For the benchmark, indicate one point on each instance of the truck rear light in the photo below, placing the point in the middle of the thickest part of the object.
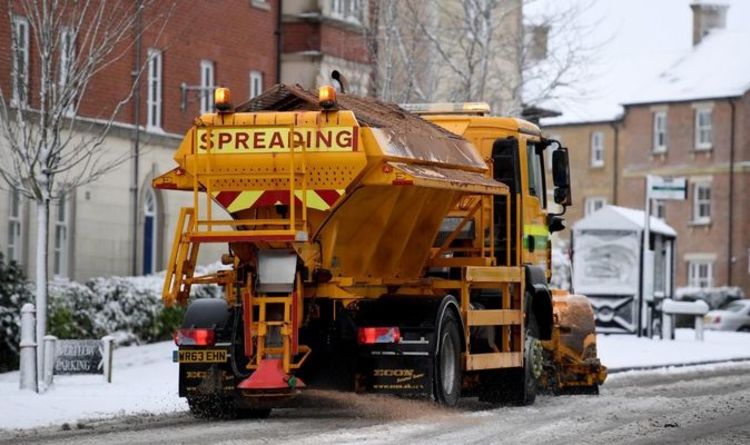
(194, 337)
(371, 336)
(717, 319)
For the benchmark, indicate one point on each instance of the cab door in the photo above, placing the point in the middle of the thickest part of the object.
(535, 239)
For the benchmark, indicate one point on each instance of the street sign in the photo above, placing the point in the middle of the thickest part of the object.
(79, 357)
(667, 188)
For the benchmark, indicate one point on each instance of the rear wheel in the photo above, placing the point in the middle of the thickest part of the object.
(744, 329)
(218, 407)
(447, 382)
(516, 386)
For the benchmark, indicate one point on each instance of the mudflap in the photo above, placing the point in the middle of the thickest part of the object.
(405, 369)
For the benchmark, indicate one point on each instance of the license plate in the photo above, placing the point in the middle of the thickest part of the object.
(202, 356)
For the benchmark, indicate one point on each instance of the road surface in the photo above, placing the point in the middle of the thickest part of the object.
(703, 405)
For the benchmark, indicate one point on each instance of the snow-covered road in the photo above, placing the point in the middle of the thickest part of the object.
(705, 404)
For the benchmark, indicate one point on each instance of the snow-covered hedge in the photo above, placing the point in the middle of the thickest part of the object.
(129, 308)
(560, 267)
(714, 296)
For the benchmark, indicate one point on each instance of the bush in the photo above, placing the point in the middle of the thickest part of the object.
(15, 291)
(128, 308)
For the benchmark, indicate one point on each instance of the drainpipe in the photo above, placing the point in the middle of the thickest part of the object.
(279, 41)
(730, 238)
(136, 137)
(615, 173)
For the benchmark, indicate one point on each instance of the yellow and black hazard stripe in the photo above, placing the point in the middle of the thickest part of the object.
(233, 202)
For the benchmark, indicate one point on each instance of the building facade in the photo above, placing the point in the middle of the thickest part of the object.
(119, 225)
(684, 119)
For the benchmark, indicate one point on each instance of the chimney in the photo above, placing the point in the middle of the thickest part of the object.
(707, 17)
(537, 41)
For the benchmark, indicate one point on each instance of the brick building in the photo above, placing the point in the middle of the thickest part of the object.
(670, 111)
(694, 122)
(320, 36)
(119, 224)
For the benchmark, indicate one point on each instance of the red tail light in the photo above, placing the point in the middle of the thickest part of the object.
(194, 337)
(370, 336)
(717, 319)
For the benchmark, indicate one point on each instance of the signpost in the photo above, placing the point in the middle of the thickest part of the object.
(657, 188)
(84, 357)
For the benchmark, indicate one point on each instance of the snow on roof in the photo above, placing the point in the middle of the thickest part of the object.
(632, 45)
(718, 67)
(621, 218)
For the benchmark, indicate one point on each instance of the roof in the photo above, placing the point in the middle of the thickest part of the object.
(634, 50)
(718, 67)
(621, 218)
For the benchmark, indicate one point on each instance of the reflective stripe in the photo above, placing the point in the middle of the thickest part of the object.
(237, 201)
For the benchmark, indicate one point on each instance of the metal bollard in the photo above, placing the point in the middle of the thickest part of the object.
(699, 327)
(108, 342)
(28, 349)
(50, 341)
(667, 333)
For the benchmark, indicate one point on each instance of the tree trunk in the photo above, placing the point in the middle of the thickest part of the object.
(42, 223)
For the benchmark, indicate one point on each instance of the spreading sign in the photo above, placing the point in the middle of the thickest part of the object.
(79, 357)
(227, 140)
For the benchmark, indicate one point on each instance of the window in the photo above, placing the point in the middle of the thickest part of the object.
(256, 83)
(20, 62)
(67, 58)
(660, 132)
(15, 227)
(154, 90)
(703, 129)
(597, 149)
(149, 232)
(347, 9)
(702, 203)
(660, 209)
(594, 203)
(207, 86)
(700, 273)
(62, 234)
(535, 172)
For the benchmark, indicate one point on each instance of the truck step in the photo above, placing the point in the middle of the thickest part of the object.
(493, 360)
(494, 317)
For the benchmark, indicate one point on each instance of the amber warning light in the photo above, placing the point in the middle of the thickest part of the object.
(327, 97)
(223, 99)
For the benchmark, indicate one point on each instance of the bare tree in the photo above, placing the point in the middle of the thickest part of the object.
(46, 148)
(469, 50)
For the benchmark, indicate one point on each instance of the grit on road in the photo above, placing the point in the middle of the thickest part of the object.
(704, 405)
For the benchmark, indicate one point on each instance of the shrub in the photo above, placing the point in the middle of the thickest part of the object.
(15, 291)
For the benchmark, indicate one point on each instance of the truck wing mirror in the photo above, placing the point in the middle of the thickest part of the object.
(561, 176)
(560, 168)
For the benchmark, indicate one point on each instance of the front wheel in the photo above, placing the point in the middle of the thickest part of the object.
(447, 382)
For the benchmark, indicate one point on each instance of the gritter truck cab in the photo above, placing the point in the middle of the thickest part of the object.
(372, 250)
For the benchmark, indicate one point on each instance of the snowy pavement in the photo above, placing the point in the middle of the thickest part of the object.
(145, 379)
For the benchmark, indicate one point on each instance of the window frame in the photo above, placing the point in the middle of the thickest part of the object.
(352, 11)
(25, 52)
(694, 273)
(15, 250)
(208, 84)
(659, 132)
(701, 203)
(705, 128)
(67, 58)
(591, 201)
(256, 75)
(61, 250)
(154, 98)
(596, 146)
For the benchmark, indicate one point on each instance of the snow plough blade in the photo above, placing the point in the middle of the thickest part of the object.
(571, 363)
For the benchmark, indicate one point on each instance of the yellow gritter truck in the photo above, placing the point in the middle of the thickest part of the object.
(373, 250)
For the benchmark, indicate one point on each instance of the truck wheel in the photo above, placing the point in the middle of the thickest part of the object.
(209, 407)
(258, 413)
(447, 382)
(533, 363)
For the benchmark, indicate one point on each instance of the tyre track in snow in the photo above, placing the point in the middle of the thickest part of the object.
(705, 405)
